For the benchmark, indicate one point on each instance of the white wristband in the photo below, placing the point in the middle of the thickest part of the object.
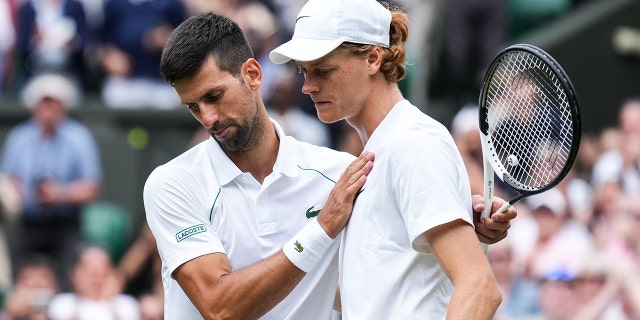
(308, 246)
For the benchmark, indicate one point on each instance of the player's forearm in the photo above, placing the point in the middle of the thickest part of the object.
(259, 288)
(247, 293)
(478, 300)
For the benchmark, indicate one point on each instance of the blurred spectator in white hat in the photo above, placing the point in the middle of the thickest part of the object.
(54, 161)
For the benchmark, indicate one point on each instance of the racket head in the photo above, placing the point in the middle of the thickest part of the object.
(530, 122)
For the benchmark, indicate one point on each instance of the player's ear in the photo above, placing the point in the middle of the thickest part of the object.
(252, 73)
(374, 59)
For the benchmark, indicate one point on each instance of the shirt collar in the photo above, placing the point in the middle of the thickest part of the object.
(226, 171)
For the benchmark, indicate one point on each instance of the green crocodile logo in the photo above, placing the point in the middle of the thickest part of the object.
(298, 247)
(311, 214)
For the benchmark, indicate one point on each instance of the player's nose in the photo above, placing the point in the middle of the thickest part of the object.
(309, 86)
(209, 116)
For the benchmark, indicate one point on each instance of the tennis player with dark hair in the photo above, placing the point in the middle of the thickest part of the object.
(246, 222)
(410, 249)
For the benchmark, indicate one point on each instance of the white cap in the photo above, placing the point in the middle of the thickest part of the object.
(465, 120)
(322, 25)
(52, 86)
(552, 199)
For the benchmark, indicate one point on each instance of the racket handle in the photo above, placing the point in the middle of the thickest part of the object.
(486, 213)
(488, 189)
(504, 207)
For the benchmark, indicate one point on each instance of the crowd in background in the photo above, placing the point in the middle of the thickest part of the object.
(572, 252)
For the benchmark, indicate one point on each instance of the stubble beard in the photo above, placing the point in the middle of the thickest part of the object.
(247, 135)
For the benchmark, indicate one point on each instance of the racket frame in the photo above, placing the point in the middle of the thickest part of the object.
(494, 167)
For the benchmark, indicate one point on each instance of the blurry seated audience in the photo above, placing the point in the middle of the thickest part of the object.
(557, 297)
(617, 232)
(284, 107)
(580, 196)
(7, 43)
(620, 164)
(464, 128)
(97, 291)
(35, 285)
(553, 240)
(601, 288)
(51, 37)
(545, 239)
(54, 161)
(134, 33)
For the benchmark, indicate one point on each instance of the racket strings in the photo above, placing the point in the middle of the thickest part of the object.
(530, 121)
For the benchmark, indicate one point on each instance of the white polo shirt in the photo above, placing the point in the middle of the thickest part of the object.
(418, 182)
(201, 203)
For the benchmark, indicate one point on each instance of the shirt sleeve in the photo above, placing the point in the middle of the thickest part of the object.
(431, 185)
(178, 216)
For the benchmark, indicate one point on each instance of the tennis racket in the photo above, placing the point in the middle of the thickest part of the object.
(530, 124)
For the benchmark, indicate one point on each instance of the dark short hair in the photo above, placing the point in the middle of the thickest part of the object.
(199, 37)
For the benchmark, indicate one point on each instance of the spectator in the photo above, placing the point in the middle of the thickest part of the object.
(546, 240)
(134, 33)
(464, 129)
(7, 42)
(559, 242)
(35, 285)
(54, 161)
(97, 291)
(51, 38)
(620, 164)
(557, 297)
(599, 289)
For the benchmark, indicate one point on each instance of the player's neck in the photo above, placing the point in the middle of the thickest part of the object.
(260, 159)
(375, 110)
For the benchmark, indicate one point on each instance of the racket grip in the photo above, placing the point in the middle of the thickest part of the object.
(488, 189)
(504, 207)
(486, 213)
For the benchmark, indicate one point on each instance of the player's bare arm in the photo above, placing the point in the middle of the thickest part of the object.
(463, 260)
(218, 292)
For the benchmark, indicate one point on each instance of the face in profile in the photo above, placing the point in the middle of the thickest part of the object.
(337, 84)
(224, 105)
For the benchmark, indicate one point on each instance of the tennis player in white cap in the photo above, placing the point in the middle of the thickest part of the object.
(409, 250)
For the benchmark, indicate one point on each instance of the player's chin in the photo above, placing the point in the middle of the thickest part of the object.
(327, 117)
